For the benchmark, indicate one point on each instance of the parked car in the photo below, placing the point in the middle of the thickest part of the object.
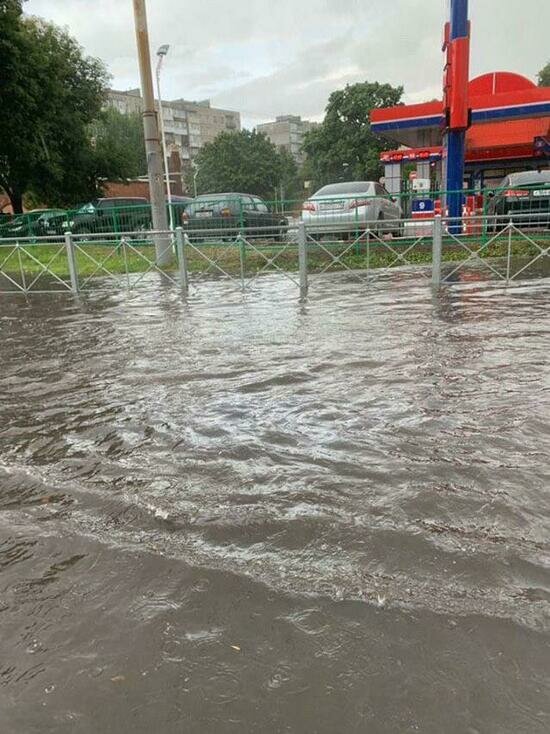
(45, 223)
(342, 208)
(523, 198)
(117, 214)
(178, 206)
(34, 223)
(232, 212)
(177, 199)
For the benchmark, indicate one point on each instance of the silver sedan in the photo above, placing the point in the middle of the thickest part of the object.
(344, 208)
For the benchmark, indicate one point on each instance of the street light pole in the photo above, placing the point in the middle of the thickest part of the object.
(163, 250)
(161, 53)
(195, 174)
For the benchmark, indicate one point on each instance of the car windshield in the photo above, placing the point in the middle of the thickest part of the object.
(51, 214)
(529, 178)
(344, 189)
(211, 201)
(87, 209)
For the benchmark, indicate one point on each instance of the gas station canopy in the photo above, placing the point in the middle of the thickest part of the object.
(510, 125)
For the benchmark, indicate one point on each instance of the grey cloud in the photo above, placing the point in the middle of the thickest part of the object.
(267, 58)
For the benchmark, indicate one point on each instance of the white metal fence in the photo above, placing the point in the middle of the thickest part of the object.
(440, 249)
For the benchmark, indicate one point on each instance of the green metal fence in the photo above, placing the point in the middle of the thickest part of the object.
(224, 216)
(90, 219)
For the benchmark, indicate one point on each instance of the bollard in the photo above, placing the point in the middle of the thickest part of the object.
(302, 258)
(71, 260)
(436, 250)
(182, 240)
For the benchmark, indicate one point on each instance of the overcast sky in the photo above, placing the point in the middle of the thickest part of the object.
(273, 57)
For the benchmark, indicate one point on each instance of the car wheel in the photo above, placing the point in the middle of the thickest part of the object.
(281, 234)
(140, 232)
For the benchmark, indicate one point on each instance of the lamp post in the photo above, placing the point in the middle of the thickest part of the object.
(195, 174)
(161, 53)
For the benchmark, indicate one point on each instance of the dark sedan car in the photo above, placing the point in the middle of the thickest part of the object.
(231, 213)
(524, 199)
(34, 223)
(117, 215)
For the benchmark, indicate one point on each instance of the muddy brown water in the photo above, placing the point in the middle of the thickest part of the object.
(260, 515)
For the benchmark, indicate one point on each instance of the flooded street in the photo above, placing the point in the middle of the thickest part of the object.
(251, 514)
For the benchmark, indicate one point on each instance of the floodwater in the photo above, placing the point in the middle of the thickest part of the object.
(251, 514)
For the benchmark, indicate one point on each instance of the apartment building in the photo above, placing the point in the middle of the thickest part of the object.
(187, 125)
(287, 133)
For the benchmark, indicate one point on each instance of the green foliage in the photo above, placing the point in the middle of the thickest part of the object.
(11, 56)
(119, 145)
(49, 95)
(544, 76)
(343, 146)
(245, 162)
(291, 181)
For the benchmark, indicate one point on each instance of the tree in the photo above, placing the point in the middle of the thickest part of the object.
(544, 76)
(242, 161)
(10, 58)
(291, 180)
(343, 146)
(119, 145)
(49, 95)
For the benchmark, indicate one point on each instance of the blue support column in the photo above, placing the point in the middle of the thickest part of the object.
(455, 173)
(459, 18)
(456, 139)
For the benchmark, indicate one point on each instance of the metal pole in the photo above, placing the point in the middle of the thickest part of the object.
(509, 258)
(125, 254)
(368, 252)
(166, 166)
(21, 271)
(302, 258)
(242, 255)
(71, 260)
(163, 248)
(181, 241)
(436, 250)
(456, 100)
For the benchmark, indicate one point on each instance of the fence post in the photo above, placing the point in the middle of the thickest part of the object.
(302, 257)
(242, 256)
(509, 256)
(368, 252)
(21, 270)
(181, 241)
(357, 232)
(436, 250)
(123, 244)
(71, 260)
